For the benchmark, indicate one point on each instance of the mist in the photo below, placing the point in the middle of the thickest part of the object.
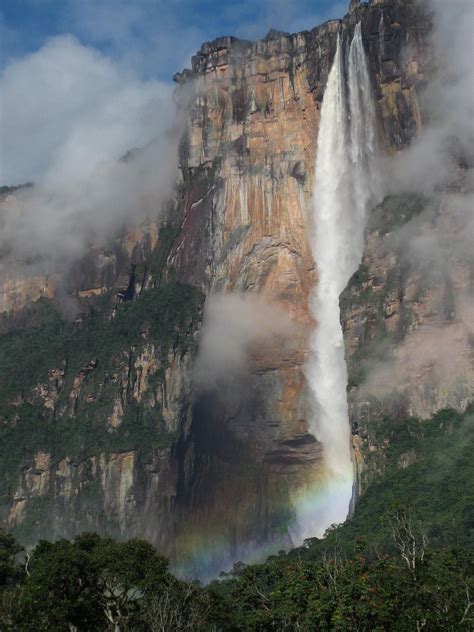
(232, 325)
(436, 245)
(70, 118)
(446, 103)
(434, 356)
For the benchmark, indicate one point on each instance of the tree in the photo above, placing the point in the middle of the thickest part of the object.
(409, 537)
(60, 591)
(9, 550)
(126, 573)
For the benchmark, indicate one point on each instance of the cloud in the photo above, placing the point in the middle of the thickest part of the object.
(432, 366)
(446, 102)
(233, 323)
(156, 38)
(162, 35)
(69, 108)
(69, 114)
(69, 111)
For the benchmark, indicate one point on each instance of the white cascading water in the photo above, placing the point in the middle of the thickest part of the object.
(345, 187)
(366, 188)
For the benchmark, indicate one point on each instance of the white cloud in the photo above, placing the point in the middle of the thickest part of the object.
(67, 108)
(68, 115)
(447, 104)
(232, 324)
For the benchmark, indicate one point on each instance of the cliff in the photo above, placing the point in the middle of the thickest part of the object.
(408, 321)
(114, 435)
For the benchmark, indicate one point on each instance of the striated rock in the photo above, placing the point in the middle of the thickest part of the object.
(408, 315)
(248, 173)
(229, 462)
(117, 478)
(77, 385)
(34, 483)
(101, 269)
(17, 292)
(49, 392)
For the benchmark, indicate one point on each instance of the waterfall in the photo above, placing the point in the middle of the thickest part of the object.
(363, 147)
(345, 187)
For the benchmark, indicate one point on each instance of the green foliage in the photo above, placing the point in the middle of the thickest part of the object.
(390, 567)
(99, 345)
(157, 265)
(439, 482)
(360, 276)
(342, 594)
(435, 483)
(9, 549)
(93, 583)
(396, 210)
(60, 589)
(202, 175)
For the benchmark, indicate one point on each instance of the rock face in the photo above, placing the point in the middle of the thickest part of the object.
(234, 458)
(252, 130)
(407, 315)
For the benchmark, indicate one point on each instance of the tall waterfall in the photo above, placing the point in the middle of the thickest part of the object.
(345, 187)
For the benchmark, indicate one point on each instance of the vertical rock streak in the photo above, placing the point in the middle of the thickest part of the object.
(344, 189)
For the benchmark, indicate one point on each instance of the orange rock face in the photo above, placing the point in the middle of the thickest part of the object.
(248, 163)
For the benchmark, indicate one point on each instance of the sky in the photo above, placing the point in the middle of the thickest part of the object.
(83, 81)
(155, 38)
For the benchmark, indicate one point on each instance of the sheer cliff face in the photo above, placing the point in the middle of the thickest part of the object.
(253, 128)
(408, 316)
(234, 458)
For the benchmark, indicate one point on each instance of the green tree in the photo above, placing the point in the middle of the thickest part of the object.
(9, 550)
